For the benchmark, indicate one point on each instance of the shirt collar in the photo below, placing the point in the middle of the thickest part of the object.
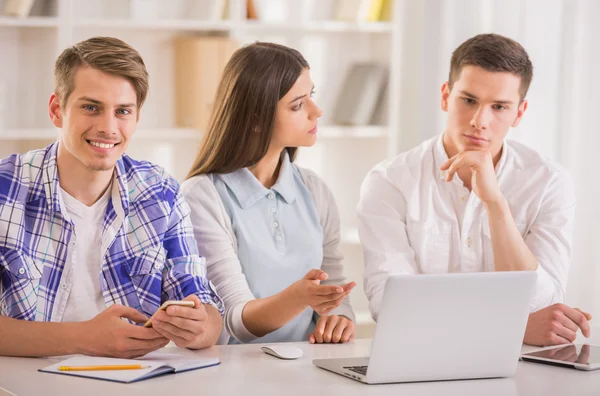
(440, 157)
(248, 190)
(120, 186)
(285, 185)
(50, 177)
(52, 186)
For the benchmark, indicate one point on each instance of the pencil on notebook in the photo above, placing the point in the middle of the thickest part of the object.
(107, 367)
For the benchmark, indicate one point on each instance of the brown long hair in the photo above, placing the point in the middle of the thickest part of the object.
(240, 128)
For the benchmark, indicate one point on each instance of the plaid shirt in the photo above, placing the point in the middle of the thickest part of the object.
(149, 254)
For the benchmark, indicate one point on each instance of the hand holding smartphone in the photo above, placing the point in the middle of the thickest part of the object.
(167, 304)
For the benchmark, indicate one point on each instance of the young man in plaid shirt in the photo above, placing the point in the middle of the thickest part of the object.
(89, 236)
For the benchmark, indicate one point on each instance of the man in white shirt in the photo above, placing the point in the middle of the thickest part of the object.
(470, 201)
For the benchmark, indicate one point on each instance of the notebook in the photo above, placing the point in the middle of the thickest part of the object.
(158, 363)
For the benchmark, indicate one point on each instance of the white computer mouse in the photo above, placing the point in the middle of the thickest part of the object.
(286, 352)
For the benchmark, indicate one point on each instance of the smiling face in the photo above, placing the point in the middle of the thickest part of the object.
(296, 116)
(98, 119)
(482, 107)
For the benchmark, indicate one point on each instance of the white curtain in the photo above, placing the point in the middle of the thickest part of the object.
(562, 38)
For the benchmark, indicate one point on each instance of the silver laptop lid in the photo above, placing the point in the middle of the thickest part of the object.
(451, 326)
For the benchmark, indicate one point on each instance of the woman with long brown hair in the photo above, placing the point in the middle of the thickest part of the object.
(268, 229)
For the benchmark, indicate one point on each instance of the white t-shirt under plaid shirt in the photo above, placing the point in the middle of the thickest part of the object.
(148, 250)
(82, 269)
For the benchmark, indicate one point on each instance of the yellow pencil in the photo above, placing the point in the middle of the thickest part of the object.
(107, 367)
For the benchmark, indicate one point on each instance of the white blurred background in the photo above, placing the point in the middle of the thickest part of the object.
(413, 43)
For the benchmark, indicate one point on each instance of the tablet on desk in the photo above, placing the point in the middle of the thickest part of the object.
(581, 357)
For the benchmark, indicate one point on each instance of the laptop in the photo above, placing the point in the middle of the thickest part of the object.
(445, 327)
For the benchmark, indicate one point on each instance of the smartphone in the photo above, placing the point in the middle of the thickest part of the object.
(167, 304)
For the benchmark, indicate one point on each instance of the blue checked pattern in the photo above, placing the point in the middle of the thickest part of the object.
(150, 252)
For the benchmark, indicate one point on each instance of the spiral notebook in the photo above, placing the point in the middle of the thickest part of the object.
(156, 363)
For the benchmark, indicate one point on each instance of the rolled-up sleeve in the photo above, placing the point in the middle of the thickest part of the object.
(185, 272)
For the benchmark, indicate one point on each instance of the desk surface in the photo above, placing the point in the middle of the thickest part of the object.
(246, 370)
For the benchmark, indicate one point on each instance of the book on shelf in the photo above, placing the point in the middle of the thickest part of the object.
(251, 10)
(220, 10)
(347, 10)
(199, 64)
(18, 8)
(363, 10)
(381, 113)
(360, 94)
(269, 10)
(226, 11)
(386, 11)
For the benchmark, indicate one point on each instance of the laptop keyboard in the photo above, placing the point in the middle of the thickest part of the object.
(358, 369)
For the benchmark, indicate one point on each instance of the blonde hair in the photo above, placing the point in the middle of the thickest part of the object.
(107, 54)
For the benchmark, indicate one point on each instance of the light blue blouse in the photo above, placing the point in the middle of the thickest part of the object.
(279, 236)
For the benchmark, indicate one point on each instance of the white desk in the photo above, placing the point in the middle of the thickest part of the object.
(246, 370)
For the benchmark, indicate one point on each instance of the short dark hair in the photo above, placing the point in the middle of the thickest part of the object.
(494, 53)
(107, 54)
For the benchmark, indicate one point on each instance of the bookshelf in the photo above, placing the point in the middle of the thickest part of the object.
(343, 154)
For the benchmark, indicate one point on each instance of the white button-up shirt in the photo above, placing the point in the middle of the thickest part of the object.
(411, 221)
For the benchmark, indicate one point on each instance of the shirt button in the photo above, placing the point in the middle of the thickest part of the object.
(271, 196)
(275, 224)
(279, 237)
(157, 266)
(464, 199)
(273, 209)
(469, 242)
(21, 271)
(63, 286)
